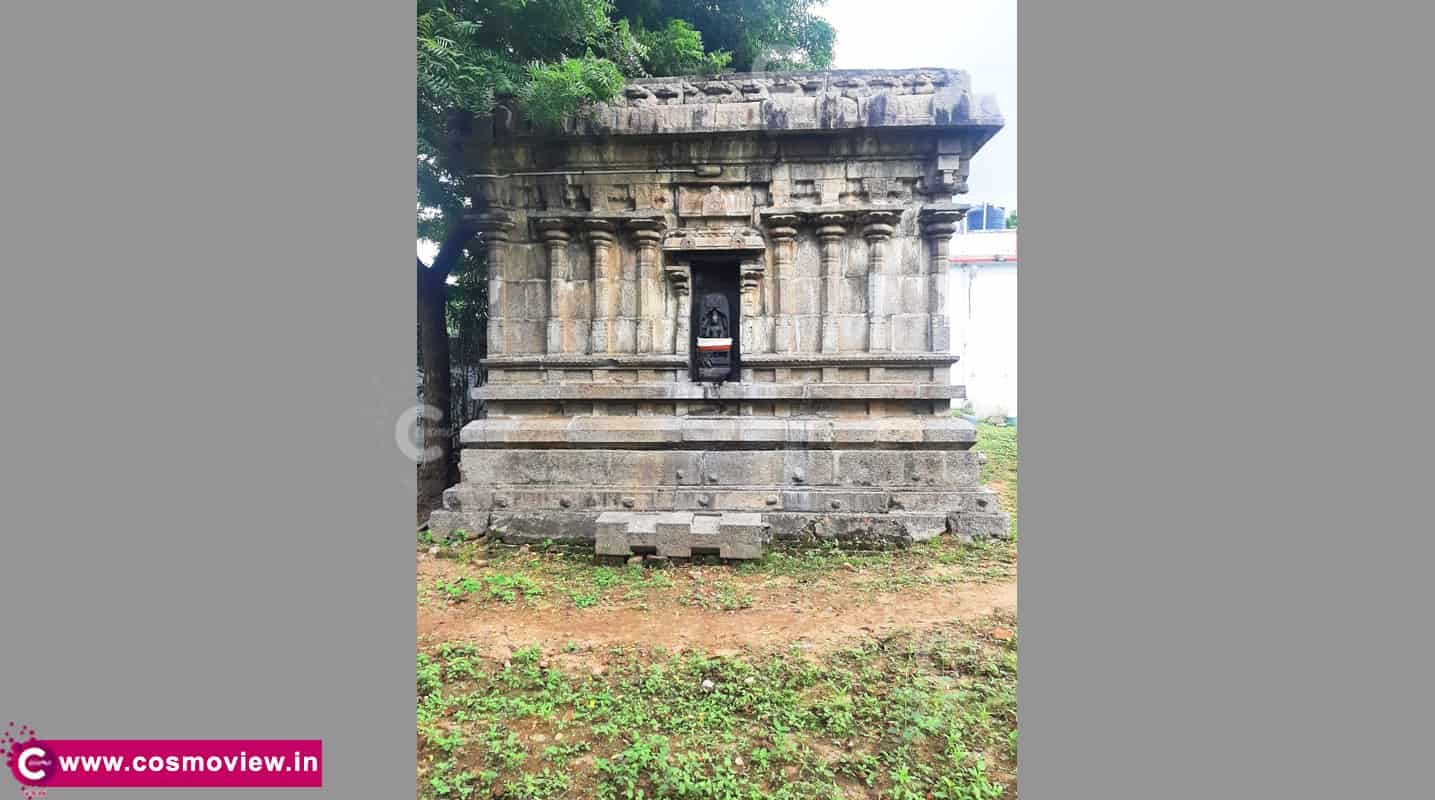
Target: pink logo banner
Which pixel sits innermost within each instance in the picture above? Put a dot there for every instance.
(167, 763)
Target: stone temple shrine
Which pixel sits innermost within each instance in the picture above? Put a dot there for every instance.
(717, 318)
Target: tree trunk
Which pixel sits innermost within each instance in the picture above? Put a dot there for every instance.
(436, 474)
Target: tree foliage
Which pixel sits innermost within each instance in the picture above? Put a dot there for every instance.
(555, 91)
(549, 54)
(677, 49)
(773, 34)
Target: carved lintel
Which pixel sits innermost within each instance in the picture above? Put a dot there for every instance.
(730, 238)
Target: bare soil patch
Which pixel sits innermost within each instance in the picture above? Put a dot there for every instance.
(783, 612)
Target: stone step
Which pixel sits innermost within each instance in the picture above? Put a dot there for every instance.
(761, 499)
(782, 528)
(932, 470)
(698, 433)
(677, 534)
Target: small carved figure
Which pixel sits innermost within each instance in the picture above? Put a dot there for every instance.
(714, 325)
(713, 202)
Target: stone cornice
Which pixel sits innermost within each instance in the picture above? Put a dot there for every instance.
(827, 101)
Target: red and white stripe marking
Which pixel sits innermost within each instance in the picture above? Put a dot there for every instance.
(714, 345)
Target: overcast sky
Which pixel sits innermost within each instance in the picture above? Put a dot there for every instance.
(978, 36)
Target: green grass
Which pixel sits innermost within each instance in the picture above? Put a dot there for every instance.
(930, 716)
(566, 579)
(999, 444)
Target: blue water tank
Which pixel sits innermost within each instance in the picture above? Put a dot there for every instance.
(986, 217)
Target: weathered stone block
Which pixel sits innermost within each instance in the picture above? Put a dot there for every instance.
(674, 530)
(448, 525)
(970, 525)
(679, 534)
(742, 536)
(519, 527)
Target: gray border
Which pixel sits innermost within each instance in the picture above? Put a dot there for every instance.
(207, 317)
(199, 210)
(1219, 359)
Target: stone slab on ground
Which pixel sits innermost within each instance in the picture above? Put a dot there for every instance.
(677, 534)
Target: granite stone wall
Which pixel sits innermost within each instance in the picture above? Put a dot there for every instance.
(827, 198)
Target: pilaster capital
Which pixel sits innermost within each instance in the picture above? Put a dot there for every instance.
(878, 226)
(648, 230)
(494, 225)
(782, 227)
(554, 230)
(678, 274)
(751, 271)
(940, 221)
(600, 231)
(832, 225)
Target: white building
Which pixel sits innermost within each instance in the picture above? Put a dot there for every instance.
(982, 301)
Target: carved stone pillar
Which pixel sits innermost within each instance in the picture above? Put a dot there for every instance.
(832, 229)
(493, 228)
(555, 235)
(782, 228)
(878, 231)
(750, 274)
(679, 277)
(649, 234)
(938, 225)
(605, 285)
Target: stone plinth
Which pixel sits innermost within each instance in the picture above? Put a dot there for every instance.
(727, 297)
